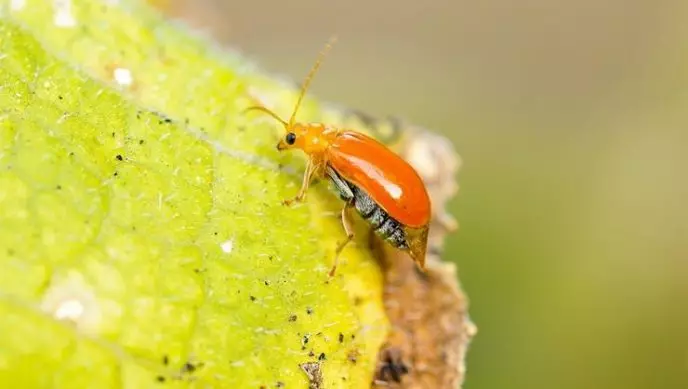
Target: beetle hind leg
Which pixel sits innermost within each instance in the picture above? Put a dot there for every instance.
(348, 228)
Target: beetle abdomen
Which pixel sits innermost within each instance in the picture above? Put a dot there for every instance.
(384, 225)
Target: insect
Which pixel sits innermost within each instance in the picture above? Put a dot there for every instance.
(385, 190)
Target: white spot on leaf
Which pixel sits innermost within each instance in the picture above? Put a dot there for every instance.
(17, 5)
(69, 310)
(63, 13)
(70, 298)
(227, 246)
(123, 76)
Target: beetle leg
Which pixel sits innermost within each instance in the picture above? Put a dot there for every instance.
(307, 176)
(348, 228)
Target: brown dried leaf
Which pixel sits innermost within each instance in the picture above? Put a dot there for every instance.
(428, 311)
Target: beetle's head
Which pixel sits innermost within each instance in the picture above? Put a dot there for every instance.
(308, 137)
(294, 137)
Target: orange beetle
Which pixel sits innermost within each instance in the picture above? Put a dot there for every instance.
(385, 190)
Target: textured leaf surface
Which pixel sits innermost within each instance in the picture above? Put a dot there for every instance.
(142, 240)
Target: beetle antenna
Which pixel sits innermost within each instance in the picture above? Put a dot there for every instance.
(309, 77)
(266, 110)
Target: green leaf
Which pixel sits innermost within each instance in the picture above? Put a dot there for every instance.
(142, 238)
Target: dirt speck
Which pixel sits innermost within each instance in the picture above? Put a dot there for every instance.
(314, 374)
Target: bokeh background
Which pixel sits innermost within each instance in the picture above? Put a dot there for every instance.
(572, 121)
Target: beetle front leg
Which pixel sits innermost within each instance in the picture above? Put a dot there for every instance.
(307, 176)
(348, 228)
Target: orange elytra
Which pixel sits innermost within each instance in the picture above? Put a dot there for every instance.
(385, 190)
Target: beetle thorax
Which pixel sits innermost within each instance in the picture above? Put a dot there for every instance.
(314, 138)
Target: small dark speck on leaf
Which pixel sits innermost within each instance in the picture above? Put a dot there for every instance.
(190, 367)
(60, 97)
(165, 360)
(116, 174)
(280, 384)
(309, 310)
(292, 318)
(141, 141)
(266, 282)
(341, 337)
(186, 120)
(168, 120)
(119, 156)
(311, 354)
(58, 187)
(322, 357)
(352, 356)
(160, 378)
(113, 134)
(252, 298)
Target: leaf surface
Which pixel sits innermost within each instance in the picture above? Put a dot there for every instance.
(142, 238)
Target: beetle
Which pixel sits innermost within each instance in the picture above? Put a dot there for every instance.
(386, 190)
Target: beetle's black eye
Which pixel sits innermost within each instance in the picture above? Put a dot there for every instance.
(291, 138)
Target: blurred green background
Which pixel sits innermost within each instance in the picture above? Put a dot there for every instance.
(572, 121)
